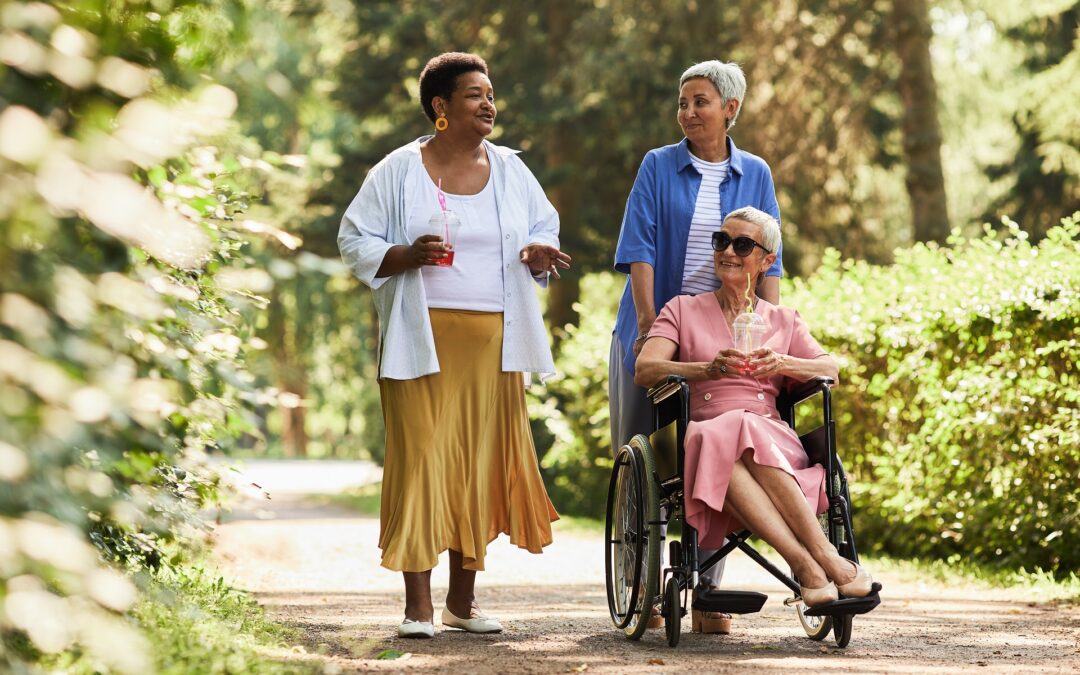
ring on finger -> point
(723, 368)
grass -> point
(192, 622)
(364, 500)
(1036, 585)
(198, 623)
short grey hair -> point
(728, 79)
(770, 229)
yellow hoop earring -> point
(441, 123)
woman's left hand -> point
(543, 258)
(765, 362)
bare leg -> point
(460, 599)
(790, 503)
(418, 596)
(748, 502)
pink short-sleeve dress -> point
(731, 416)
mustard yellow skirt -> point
(460, 465)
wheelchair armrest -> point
(669, 387)
(807, 389)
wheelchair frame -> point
(640, 491)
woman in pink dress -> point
(745, 468)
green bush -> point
(958, 406)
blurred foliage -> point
(320, 326)
(1045, 173)
(127, 300)
(570, 411)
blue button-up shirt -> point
(656, 224)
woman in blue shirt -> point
(680, 197)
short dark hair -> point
(439, 76)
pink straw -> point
(442, 197)
(446, 221)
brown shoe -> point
(710, 622)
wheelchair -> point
(646, 493)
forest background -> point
(174, 174)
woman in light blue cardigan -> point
(459, 324)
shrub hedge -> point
(958, 407)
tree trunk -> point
(293, 422)
(922, 132)
(290, 377)
(562, 293)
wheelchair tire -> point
(816, 627)
(842, 629)
(673, 610)
(632, 536)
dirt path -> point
(317, 568)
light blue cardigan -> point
(376, 221)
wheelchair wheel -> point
(673, 610)
(632, 538)
(842, 629)
(816, 627)
(844, 539)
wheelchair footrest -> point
(846, 606)
(730, 602)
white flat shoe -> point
(477, 624)
(416, 629)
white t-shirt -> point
(474, 282)
(699, 274)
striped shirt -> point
(699, 275)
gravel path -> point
(316, 568)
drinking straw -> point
(442, 197)
(442, 205)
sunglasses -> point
(743, 246)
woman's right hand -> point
(726, 363)
(427, 250)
